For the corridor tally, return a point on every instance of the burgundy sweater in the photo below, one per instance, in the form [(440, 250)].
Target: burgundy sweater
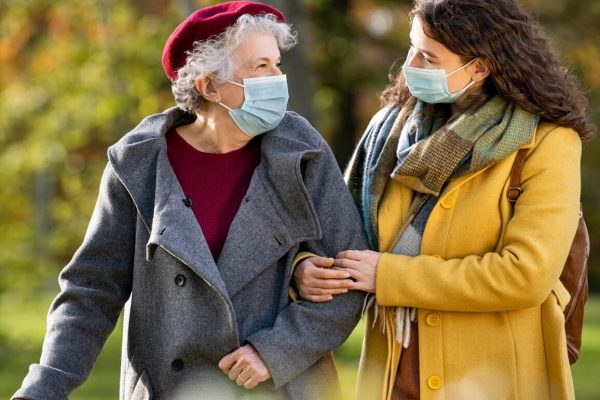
[(214, 184)]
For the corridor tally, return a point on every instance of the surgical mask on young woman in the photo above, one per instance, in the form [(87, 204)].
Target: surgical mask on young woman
[(265, 103), (431, 85)]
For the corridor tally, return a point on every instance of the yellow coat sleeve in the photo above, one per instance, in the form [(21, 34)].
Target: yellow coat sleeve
[(535, 244)]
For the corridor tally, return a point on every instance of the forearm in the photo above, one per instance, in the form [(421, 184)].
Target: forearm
[(79, 322), (493, 282), (94, 287), (305, 332)]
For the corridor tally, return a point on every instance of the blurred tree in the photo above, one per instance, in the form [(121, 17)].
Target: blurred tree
[(296, 64), (76, 75), (574, 26), (334, 52)]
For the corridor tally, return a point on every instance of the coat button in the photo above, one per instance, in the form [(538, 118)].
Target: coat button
[(449, 201), (434, 382), (187, 201), (432, 319), (180, 280), (177, 364)]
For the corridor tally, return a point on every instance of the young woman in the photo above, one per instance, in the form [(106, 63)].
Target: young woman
[(466, 285)]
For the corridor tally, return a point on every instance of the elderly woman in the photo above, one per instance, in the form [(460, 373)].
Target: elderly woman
[(198, 220), (469, 304)]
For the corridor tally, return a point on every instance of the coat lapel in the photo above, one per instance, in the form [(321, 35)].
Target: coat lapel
[(256, 238), (275, 214), (141, 163), (176, 230)]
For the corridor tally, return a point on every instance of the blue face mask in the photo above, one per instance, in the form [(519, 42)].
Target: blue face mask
[(265, 103), (431, 85)]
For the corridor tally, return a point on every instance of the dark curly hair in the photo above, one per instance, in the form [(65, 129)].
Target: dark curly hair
[(523, 67)]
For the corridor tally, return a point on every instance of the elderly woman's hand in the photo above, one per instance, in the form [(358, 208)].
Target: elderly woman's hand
[(245, 367), (362, 267), (318, 282)]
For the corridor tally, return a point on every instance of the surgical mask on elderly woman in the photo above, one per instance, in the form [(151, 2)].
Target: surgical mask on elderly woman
[(431, 85), (265, 103)]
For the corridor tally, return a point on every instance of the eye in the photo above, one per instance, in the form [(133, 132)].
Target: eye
[(426, 58)]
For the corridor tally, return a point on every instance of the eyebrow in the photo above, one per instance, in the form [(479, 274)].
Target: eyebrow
[(266, 59)]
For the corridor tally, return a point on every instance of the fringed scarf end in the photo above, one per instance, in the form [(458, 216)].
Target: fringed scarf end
[(404, 316)]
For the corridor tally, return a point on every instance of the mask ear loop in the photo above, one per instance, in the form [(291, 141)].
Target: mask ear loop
[(232, 82), (458, 69), (223, 105), (235, 83), (464, 66), (469, 85)]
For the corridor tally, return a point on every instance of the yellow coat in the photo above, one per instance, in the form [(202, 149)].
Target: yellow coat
[(486, 288)]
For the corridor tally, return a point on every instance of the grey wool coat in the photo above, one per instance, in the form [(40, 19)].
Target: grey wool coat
[(144, 250)]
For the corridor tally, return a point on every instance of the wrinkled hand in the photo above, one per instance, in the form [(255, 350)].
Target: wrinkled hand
[(362, 267), (317, 281), (245, 367)]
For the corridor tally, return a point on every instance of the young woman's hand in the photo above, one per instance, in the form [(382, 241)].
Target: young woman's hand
[(317, 281), (362, 267)]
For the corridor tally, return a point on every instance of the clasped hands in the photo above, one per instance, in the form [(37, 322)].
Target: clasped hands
[(318, 279)]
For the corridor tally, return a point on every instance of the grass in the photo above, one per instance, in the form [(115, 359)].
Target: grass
[(22, 326), (586, 370)]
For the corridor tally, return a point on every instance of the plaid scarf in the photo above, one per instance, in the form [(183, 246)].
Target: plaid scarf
[(423, 151)]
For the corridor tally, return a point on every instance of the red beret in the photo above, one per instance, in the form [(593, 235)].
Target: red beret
[(204, 23)]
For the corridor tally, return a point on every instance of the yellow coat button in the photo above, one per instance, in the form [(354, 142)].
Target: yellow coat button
[(432, 319), (434, 382), (449, 201)]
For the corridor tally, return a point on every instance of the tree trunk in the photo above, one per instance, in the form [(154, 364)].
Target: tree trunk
[(295, 63)]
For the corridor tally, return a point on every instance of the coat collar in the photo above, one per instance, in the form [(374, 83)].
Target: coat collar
[(276, 212)]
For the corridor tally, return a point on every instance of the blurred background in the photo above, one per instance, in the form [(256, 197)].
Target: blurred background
[(76, 75)]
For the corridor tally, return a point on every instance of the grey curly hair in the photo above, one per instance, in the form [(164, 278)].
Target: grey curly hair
[(213, 57)]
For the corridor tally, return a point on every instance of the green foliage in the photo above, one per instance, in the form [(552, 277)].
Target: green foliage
[(74, 77)]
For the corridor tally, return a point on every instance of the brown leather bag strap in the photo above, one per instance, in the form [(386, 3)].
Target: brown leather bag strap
[(514, 187), (574, 275)]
